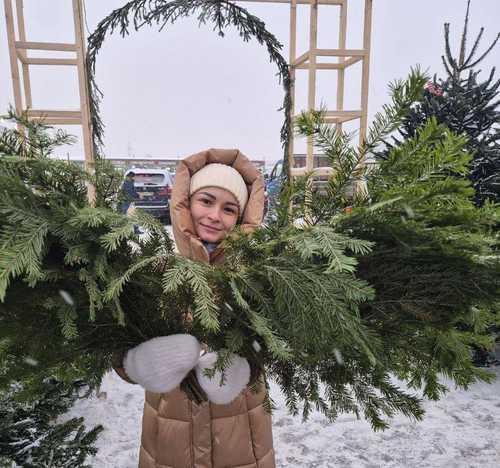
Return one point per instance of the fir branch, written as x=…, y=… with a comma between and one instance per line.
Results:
x=116, y=286
x=186, y=273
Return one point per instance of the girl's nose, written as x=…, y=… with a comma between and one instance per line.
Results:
x=215, y=214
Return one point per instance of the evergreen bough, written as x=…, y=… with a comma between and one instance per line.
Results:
x=398, y=281
x=434, y=265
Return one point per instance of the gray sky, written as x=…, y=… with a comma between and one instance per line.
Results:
x=185, y=89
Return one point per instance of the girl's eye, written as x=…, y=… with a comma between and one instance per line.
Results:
x=205, y=201
x=230, y=210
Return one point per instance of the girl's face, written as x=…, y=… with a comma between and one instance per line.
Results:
x=215, y=212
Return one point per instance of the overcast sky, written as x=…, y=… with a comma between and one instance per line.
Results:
x=175, y=92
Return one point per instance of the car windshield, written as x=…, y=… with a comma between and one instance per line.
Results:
x=150, y=179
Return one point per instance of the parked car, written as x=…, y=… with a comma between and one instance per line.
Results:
x=154, y=187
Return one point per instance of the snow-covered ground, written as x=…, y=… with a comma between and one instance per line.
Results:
x=461, y=430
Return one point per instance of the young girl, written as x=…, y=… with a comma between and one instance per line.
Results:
x=213, y=192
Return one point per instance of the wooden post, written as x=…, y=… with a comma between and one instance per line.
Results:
x=365, y=84
x=84, y=96
x=293, y=53
x=11, y=40
x=360, y=184
x=23, y=53
x=311, y=102
x=341, y=61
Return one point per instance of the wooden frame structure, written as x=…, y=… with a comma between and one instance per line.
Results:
x=19, y=48
x=311, y=60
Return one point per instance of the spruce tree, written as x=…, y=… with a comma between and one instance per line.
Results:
x=468, y=106
x=29, y=435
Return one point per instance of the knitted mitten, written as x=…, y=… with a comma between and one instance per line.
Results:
x=237, y=376
x=160, y=364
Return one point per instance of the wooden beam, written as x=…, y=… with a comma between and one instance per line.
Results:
x=53, y=113
x=365, y=73
x=340, y=52
x=11, y=40
x=50, y=61
x=293, y=52
x=332, y=66
x=322, y=66
x=84, y=97
x=301, y=62
x=316, y=171
x=311, y=100
x=338, y=116
x=301, y=59
x=341, y=60
x=344, y=114
x=62, y=47
x=57, y=121
x=339, y=120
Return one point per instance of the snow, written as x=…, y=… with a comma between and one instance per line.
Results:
x=461, y=430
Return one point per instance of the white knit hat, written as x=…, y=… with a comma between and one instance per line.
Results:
x=224, y=177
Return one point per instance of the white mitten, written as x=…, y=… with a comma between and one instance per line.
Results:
x=237, y=376
x=160, y=364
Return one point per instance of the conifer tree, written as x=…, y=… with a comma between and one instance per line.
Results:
x=468, y=106
x=29, y=436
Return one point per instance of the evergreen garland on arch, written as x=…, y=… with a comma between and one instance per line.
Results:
x=222, y=13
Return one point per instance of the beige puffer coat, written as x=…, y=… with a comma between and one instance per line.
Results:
x=177, y=433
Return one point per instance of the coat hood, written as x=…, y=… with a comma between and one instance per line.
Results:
x=187, y=241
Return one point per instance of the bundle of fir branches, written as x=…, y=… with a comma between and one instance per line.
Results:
x=434, y=262
x=77, y=285
x=331, y=309
x=467, y=105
